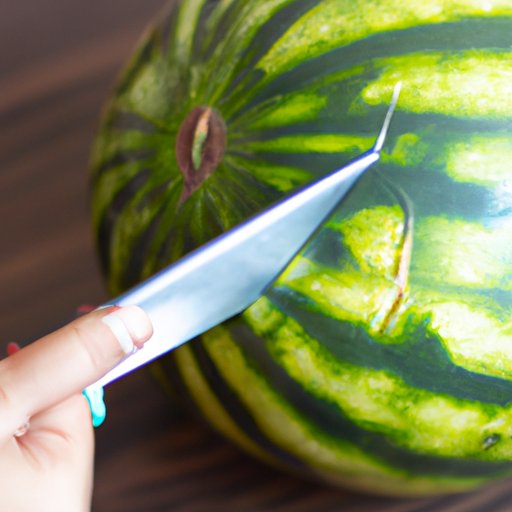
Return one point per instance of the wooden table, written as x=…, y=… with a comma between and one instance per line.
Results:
x=58, y=59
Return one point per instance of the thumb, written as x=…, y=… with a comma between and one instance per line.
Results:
x=65, y=362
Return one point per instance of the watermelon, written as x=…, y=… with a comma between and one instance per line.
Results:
x=382, y=358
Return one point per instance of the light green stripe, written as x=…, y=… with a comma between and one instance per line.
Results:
x=211, y=25
x=369, y=289
x=123, y=142
x=251, y=16
x=130, y=224
x=311, y=143
x=483, y=160
x=350, y=295
x=373, y=236
x=464, y=254
x=281, y=177
x=334, y=23
x=475, y=338
x=186, y=27
x=148, y=95
x=283, y=111
x=306, y=104
x=473, y=83
x=409, y=150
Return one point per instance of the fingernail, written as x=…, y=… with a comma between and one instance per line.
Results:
x=131, y=326
x=12, y=348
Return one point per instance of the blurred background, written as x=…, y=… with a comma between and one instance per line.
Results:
x=58, y=62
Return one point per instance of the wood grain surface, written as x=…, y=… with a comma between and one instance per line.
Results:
x=58, y=60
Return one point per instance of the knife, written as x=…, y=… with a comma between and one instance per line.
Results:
x=225, y=276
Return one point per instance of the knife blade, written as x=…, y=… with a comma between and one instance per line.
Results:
x=225, y=276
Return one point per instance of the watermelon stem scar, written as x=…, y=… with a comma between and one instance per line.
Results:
x=200, y=146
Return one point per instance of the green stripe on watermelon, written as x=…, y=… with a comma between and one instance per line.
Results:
x=192, y=376
x=182, y=44
x=324, y=143
x=243, y=417
x=224, y=61
x=482, y=87
x=280, y=177
x=468, y=254
x=483, y=160
x=283, y=111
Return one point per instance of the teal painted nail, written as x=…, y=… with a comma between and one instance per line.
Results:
x=94, y=396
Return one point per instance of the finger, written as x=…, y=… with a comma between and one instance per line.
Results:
x=65, y=362
x=62, y=431
x=62, y=438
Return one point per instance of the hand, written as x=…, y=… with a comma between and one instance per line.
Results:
x=49, y=467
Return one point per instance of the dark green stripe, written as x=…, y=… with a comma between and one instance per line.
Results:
x=233, y=186
x=180, y=236
x=501, y=297
x=110, y=216
x=439, y=193
x=204, y=215
x=237, y=410
x=142, y=244
x=205, y=52
x=423, y=351
x=264, y=39
x=167, y=369
x=129, y=121
x=338, y=254
x=467, y=201
x=434, y=129
x=166, y=26
x=332, y=421
x=204, y=44
x=119, y=159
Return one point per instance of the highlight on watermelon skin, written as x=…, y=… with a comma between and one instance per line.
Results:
x=381, y=359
